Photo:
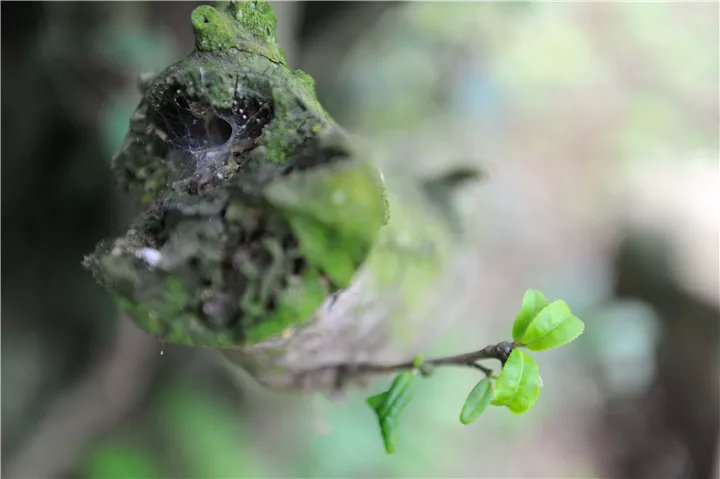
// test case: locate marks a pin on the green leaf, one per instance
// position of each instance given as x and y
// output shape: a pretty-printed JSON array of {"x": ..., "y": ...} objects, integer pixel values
[
  {"x": 519, "y": 383},
  {"x": 554, "y": 326},
  {"x": 388, "y": 406},
  {"x": 389, "y": 431},
  {"x": 377, "y": 401},
  {"x": 335, "y": 212},
  {"x": 477, "y": 401},
  {"x": 533, "y": 301},
  {"x": 398, "y": 395}
]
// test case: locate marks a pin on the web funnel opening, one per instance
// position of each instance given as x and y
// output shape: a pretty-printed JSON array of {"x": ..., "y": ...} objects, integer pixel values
[{"x": 190, "y": 124}]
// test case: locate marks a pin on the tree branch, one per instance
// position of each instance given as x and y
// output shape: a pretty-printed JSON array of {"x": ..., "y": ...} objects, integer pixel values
[{"x": 499, "y": 351}]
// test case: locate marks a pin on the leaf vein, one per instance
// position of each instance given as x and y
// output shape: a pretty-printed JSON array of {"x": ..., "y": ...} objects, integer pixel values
[{"x": 550, "y": 331}]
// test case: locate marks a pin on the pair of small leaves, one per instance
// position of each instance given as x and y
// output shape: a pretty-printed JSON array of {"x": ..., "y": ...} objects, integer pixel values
[
  {"x": 539, "y": 325},
  {"x": 389, "y": 404},
  {"x": 542, "y": 325},
  {"x": 518, "y": 385},
  {"x": 517, "y": 388}
]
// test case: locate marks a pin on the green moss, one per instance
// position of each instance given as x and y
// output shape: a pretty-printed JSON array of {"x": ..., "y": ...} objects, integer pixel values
[
  {"x": 306, "y": 80},
  {"x": 336, "y": 213},
  {"x": 279, "y": 140},
  {"x": 296, "y": 304},
  {"x": 293, "y": 126},
  {"x": 248, "y": 26},
  {"x": 256, "y": 18},
  {"x": 213, "y": 30},
  {"x": 244, "y": 239},
  {"x": 217, "y": 85}
]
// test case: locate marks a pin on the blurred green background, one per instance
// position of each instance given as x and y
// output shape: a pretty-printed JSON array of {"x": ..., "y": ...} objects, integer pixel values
[{"x": 597, "y": 127}]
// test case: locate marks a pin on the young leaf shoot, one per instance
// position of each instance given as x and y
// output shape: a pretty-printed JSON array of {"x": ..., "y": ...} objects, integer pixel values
[{"x": 539, "y": 325}]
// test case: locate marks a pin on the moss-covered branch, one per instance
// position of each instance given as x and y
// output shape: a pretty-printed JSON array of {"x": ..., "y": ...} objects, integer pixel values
[{"x": 257, "y": 207}]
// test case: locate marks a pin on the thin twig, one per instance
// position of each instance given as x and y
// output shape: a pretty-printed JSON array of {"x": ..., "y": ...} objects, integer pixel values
[{"x": 499, "y": 351}]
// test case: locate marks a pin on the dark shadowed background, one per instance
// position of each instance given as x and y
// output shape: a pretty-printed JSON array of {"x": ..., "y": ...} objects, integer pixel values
[{"x": 597, "y": 127}]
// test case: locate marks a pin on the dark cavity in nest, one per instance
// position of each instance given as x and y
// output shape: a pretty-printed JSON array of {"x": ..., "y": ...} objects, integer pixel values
[{"x": 192, "y": 124}]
